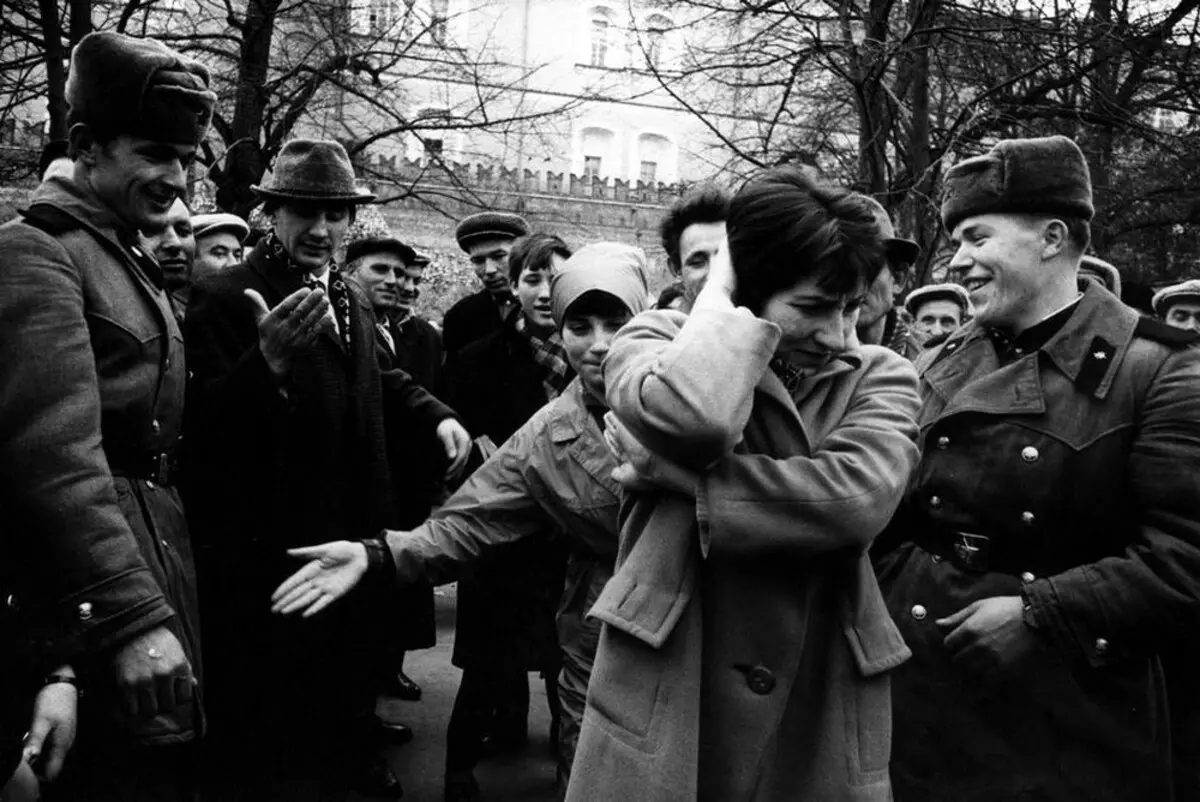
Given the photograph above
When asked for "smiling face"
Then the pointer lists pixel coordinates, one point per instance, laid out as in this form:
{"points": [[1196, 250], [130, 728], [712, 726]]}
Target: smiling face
{"points": [[817, 325], [311, 233], [1184, 314], [173, 246], [139, 179], [489, 258], [938, 316], [589, 325], [1002, 261], [532, 289], [697, 244], [216, 252], [376, 274]]}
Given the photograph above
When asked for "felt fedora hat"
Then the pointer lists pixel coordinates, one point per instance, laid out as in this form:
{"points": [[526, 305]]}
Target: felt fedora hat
{"points": [[312, 170], [898, 249]]}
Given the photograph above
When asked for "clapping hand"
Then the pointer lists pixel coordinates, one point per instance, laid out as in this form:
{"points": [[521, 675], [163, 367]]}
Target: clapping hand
{"points": [[332, 571]]}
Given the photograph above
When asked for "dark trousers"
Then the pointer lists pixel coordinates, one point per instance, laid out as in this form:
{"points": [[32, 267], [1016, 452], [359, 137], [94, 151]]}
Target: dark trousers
{"points": [[485, 698]]}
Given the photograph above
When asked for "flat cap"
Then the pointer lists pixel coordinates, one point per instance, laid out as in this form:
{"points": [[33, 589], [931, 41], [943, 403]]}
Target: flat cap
{"points": [[1093, 267], [203, 224], [123, 85], [1185, 291], [369, 245], [898, 249], [490, 225], [1047, 175], [938, 292]]}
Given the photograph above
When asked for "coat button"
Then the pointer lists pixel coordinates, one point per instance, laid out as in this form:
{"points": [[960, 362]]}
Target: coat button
{"points": [[1101, 645], [149, 484], [919, 612], [935, 558], [760, 680], [1030, 454], [11, 602], [1028, 577], [85, 611], [155, 427], [935, 502], [1028, 518], [943, 443]]}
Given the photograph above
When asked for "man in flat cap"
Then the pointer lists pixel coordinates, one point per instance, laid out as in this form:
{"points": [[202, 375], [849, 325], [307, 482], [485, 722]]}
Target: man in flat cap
{"points": [[95, 552], [487, 238], [937, 311], [880, 321], [287, 448], [219, 237], [1179, 305], [1049, 545]]}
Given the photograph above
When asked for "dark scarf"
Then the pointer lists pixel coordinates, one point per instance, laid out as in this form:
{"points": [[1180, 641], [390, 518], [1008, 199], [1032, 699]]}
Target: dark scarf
{"points": [[339, 293], [550, 354]]}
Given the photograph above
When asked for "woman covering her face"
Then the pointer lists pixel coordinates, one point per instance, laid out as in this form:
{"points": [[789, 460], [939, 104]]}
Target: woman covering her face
{"points": [[746, 646]]}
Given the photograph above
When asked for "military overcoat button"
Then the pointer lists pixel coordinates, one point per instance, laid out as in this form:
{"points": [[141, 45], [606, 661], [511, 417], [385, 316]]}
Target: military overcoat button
{"points": [[149, 484], [11, 601], [1028, 576], [1101, 645], [937, 558], [760, 680], [919, 612], [155, 427], [943, 443], [85, 611], [1030, 454], [1027, 517], [935, 501]]}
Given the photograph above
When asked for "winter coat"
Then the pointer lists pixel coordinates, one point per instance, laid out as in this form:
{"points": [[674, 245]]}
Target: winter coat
{"points": [[472, 318], [95, 548], [506, 600], [1067, 477], [746, 647], [555, 471], [271, 469]]}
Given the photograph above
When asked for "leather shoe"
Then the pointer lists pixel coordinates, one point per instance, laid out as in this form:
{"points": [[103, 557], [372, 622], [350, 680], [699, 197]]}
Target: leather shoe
{"points": [[401, 686], [395, 732], [378, 780]]}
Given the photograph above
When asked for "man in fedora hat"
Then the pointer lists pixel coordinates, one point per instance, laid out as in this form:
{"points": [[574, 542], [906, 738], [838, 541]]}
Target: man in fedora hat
{"points": [[880, 321], [95, 558], [1048, 549], [487, 238], [287, 447]]}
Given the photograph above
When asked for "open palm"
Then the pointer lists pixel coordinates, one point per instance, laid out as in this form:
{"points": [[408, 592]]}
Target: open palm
{"points": [[332, 571]]}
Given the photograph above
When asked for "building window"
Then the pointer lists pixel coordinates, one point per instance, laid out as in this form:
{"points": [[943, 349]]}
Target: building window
{"points": [[434, 149], [599, 42], [591, 168], [649, 172], [656, 40]]}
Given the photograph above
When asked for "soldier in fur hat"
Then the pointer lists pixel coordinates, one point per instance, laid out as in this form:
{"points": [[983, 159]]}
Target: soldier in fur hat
{"points": [[1048, 550], [96, 554]]}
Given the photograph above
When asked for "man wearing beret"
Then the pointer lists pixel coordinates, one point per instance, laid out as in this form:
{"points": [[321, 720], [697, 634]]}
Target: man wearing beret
{"points": [[487, 238], [219, 239], [1049, 545], [937, 311], [1179, 305], [95, 547], [287, 448]]}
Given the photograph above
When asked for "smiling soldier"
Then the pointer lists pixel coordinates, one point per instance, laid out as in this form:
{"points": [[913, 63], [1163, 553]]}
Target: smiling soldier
{"points": [[92, 377], [1049, 546]]}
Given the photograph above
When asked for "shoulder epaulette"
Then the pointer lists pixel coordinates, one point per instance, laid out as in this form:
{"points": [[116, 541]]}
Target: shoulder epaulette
{"points": [[1152, 329], [50, 219]]}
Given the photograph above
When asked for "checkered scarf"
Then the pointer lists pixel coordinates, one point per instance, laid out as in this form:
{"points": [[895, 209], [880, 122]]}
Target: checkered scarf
{"points": [[550, 354]]}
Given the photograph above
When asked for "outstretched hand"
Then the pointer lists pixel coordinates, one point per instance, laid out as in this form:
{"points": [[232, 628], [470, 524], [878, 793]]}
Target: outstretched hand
{"points": [[292, 326], [332, 571]]}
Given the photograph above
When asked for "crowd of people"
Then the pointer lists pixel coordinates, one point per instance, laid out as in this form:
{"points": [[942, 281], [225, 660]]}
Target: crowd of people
{"points": [[791, 529]]}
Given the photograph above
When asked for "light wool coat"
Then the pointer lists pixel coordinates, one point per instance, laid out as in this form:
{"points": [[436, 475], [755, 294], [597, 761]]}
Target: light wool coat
{"points": [[746, 643]]}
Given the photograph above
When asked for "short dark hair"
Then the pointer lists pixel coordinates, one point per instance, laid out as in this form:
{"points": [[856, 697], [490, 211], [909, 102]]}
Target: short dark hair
{"points": [[784, 227], [533, 252], [705, 204]]}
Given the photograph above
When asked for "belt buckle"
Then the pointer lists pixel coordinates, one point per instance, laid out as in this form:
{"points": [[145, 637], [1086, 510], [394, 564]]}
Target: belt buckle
{"points": [[973, 550]]}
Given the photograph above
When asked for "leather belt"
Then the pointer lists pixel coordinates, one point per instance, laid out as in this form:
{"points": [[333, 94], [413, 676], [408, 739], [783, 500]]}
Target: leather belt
{"points": [[159, 468]]}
